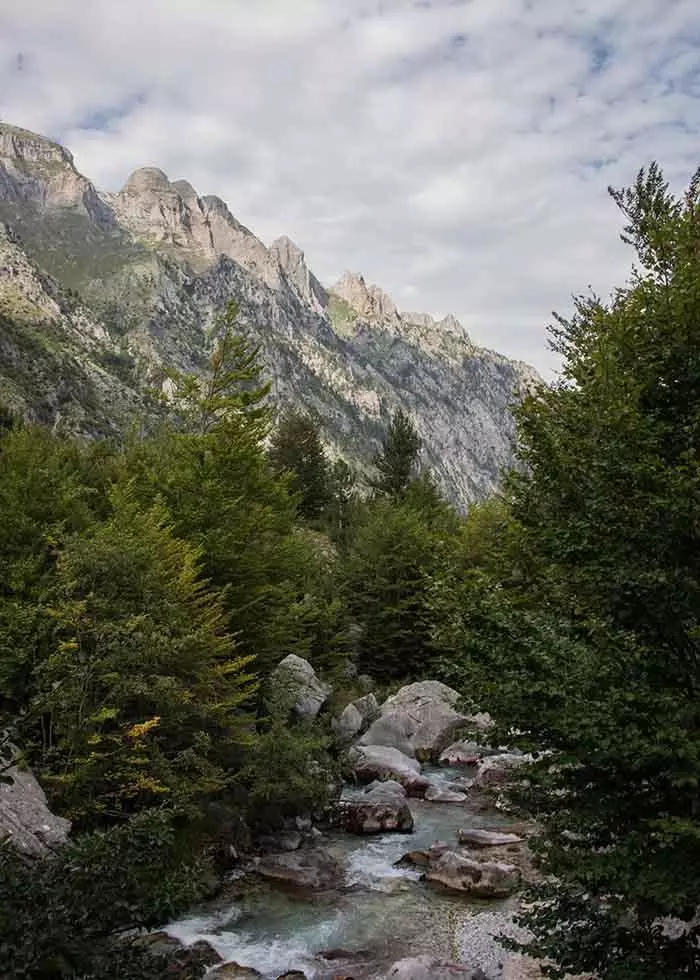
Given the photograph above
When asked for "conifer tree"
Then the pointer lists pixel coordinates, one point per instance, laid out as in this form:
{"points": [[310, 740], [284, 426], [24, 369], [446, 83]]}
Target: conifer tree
{"points": [[396, 463]]}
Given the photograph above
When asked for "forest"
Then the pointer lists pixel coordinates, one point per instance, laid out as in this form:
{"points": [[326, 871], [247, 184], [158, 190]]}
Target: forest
{"points": [[150, 586]]}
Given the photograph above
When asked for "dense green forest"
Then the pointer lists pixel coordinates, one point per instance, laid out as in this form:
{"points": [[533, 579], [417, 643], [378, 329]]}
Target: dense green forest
{"points": [[149, 588]]}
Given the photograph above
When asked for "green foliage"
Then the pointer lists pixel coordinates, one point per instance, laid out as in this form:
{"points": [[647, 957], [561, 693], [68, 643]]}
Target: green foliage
{"points": [[388, 576], [230, 388], [288, 772], [296, 448], [140, 698], [582, 624], [397, 461], [60, 917]]}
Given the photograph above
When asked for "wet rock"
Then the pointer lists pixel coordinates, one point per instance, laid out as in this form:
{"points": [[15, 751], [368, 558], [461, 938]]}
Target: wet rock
{"points": [[314, 868], [461, 754], [419, 720], [233, 971], [358, 817], [476, 837], [428, 968], [370, 762], [294, 680], [423, 858], [25, 819], [384, 791], [483, 879], [286, 840], [293, 975], [443, 794], [184, 962]]}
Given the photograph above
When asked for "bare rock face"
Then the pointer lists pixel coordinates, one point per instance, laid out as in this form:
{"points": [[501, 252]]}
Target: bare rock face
{"points": [[366, 300], [419, 720], [25, 818], [37, 170], [293, 264]]}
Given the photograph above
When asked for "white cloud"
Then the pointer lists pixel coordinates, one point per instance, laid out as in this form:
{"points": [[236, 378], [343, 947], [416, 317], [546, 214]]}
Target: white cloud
{"points": [[457, 152]]}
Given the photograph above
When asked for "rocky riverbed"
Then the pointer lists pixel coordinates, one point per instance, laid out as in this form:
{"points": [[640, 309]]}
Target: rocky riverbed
{"points": [[339, 903]]}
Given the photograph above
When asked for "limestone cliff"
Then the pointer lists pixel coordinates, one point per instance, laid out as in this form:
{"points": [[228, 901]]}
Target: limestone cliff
{"points": [[99, 292]]}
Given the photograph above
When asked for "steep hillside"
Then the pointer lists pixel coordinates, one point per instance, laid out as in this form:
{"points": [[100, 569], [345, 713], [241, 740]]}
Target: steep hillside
{"points": [[100, 292]]}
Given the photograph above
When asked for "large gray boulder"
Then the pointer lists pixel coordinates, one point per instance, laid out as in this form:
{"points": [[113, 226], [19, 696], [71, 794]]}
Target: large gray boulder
{"points": [[420, 720], [294, 682], [428, 967], [25, 818], [370, 762], [482, 879], [366, 817], [309, 869], [355, 717], [385, 791]]}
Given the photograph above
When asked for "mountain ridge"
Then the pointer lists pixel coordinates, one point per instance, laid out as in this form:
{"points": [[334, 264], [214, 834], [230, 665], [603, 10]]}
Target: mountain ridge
{"points": [[148, 267]]}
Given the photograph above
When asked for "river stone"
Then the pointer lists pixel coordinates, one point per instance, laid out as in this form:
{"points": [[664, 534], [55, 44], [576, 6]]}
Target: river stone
{"points": [[428, 968], [496, 769], [442, 794], [419, 720], [25, 819], [358, 817], [295, 680], [475, 837], [370, 762], [348, 724], [483, 879], [384, 791], [233, 971], [313, 868], [461, 754]]}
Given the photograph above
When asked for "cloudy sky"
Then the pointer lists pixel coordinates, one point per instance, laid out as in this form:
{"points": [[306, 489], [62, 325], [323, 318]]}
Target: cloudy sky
{"points": [[457, 152]]}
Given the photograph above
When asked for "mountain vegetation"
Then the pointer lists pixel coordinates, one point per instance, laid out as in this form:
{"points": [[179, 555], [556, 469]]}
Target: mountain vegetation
{"points": [[152, 580]]}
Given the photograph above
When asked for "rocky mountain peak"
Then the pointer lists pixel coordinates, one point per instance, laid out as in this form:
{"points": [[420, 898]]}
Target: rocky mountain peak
{"points": [[293, 264], [40, 171], [370, 301], [22, 145]]}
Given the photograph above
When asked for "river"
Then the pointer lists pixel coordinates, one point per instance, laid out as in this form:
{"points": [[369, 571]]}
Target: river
{"points": [[381, 914]]}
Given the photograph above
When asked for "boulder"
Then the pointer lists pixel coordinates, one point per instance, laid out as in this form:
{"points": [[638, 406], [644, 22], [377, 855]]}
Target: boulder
{"points": [[233, 971], [370, 762], [476, 837], [494, 770], [428, 967], [461, 754], [483, 879], [184, 962], [294, 681], [313, 868], [355, 717], [387, 791], [358, 817], [25, 819], [443, 794], [420, 720]]}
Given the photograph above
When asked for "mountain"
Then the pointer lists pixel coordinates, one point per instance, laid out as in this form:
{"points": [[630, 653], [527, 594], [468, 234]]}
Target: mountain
{"points": [[101, 292]]}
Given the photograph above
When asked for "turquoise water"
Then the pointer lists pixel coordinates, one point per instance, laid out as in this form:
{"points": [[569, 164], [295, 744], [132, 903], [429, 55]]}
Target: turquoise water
{"points": [[382, 913]]}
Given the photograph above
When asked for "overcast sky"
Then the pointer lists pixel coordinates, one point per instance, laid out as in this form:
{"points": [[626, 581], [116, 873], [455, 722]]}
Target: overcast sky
{"points": [[457, 152]]}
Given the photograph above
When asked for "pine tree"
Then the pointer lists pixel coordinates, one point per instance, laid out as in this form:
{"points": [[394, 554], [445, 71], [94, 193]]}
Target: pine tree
{"points": [[296, 448], [397, 461]]}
